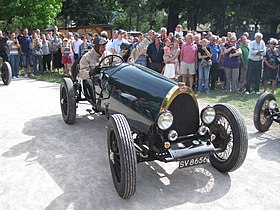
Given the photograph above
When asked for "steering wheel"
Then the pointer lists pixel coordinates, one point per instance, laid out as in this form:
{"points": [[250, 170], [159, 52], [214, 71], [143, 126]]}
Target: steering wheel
{"points": [[110, 60]]}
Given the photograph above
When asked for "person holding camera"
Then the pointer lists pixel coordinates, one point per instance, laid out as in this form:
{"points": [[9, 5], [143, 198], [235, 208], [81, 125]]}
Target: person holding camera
{"points": [[14, 51], [271, 64], [232, 62], [37, 54]]}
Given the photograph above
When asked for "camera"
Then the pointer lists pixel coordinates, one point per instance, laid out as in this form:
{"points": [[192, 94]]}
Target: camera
{"points": [[228, 46]]}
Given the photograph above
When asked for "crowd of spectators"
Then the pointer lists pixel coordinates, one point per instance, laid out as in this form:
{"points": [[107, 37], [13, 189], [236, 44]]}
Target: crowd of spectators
{"points": [[201, 60]]}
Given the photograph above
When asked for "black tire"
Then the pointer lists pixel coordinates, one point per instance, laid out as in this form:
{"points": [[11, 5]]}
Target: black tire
{"points": [[68, 100], [231, 137], [75, 69], [262, 121], [122, 156], [6, 71]]}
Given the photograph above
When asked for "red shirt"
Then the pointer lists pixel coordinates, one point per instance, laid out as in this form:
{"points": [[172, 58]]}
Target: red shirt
{"points": [[188, 53]]}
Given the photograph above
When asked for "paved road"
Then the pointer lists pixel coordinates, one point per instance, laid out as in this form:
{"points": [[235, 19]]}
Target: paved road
{"points": [[46, 164]]}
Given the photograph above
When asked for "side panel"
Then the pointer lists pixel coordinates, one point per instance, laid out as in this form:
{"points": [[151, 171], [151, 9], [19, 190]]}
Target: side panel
{"points": [[137, 92]]}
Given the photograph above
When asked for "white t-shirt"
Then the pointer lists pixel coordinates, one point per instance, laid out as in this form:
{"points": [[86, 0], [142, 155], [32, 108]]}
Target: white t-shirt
{"points": [[76, 45], [117, 44]]}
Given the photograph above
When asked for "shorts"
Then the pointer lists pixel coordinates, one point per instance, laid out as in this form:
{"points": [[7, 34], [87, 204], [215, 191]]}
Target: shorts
{"points": [[66, 60], [186, 68]]}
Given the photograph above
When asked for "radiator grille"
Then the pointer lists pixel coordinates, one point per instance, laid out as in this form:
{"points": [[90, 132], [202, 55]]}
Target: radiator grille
{"points": [[185, 113]]}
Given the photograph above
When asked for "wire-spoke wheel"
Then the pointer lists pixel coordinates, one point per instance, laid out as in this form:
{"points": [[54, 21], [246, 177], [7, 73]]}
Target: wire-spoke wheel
{"points": [[231, 139], [262, 119]]}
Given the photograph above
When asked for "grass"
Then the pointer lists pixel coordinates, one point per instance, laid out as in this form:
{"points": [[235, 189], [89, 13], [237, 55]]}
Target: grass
{"points": [[55, 77], [244, 103]]}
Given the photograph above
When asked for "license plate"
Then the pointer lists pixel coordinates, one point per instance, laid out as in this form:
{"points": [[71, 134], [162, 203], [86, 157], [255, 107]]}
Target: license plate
{"points": [[193, 161]]}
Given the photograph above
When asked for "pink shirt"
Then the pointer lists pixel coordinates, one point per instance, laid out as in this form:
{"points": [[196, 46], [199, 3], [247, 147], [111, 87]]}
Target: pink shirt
{"points": [[188, 53]]}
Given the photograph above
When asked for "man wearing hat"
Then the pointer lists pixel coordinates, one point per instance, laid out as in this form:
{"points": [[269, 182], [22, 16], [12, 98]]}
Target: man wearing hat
{"points": [[3, 47], [90, 60], [115, 47]]}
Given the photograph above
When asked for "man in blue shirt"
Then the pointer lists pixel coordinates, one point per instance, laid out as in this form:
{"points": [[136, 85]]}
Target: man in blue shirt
{"points": [[216, 56], [155, 54], [27, 59]]}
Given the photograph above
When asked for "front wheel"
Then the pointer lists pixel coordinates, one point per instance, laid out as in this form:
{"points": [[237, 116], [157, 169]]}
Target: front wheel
{"points": [[231, 138], [6, 71], [68, 100], [122, 156], [262, 119]]}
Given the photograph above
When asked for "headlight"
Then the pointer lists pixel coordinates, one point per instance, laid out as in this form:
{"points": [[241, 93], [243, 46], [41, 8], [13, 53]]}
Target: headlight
{"points": [[208, 115], [272, 104], [165, 120]]}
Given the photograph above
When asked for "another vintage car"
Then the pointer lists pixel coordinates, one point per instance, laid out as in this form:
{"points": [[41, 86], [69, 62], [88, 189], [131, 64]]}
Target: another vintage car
{"points": [[153, 118], [266, 111], [6, 72]]}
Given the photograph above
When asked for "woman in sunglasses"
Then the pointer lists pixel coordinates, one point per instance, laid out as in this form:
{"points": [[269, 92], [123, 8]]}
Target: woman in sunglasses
{"points": [[271, 64]]}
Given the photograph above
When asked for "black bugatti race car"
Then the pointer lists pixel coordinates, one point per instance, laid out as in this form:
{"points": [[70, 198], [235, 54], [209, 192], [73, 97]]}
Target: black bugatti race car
{"points": [[153, 118]]}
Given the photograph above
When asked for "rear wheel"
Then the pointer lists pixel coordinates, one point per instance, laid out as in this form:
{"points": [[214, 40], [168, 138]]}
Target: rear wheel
{"points": [[68, 100], [262, 120], [6, 71], [231, 139], [122, 156]]}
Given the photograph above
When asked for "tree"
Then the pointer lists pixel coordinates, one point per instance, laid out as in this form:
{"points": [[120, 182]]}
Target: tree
{"points": [[87, 12], [29, 13]]}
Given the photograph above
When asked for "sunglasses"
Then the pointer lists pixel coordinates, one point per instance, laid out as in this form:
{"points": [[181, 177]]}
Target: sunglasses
{"points": [[273, 43]]}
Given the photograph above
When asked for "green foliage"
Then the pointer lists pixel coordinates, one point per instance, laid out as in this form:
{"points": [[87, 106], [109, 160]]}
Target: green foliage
{"points": [[87, 12], [29, 13]]}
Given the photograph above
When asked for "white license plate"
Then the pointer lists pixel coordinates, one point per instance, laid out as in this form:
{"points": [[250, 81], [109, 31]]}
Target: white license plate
{"points": [[193, 161]]}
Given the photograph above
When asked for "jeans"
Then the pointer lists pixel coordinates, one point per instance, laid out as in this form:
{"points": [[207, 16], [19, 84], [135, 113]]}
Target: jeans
{"points": [[142, 60], [232, 75], [14, 61], [38, 59], [27, 59], [254, 71], [203, 73]]}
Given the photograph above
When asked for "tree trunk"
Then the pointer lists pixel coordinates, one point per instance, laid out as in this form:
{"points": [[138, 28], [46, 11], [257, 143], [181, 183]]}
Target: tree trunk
{"points": [[173, 19], [273, 26]]}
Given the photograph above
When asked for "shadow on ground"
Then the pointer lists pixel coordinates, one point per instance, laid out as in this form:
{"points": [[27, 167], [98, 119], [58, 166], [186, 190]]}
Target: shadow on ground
{"points": [[267, 144], [75, 156]]}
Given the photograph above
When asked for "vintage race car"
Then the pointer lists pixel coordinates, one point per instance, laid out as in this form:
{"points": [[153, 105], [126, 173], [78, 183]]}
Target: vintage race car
{"points": [[266, 111], [6, 72], [153, 118]]}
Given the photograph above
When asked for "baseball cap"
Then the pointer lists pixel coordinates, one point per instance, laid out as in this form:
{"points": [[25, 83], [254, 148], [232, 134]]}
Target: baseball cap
{"points": [[76, 35], [0, 32]]}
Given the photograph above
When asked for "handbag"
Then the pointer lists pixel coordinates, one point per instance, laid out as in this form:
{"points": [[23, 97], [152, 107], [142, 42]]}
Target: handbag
{"points": [[206, 63]]}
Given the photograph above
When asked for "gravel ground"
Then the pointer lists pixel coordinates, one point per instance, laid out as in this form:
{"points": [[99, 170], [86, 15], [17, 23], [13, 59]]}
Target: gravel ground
{"points": [[46, 164]]}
